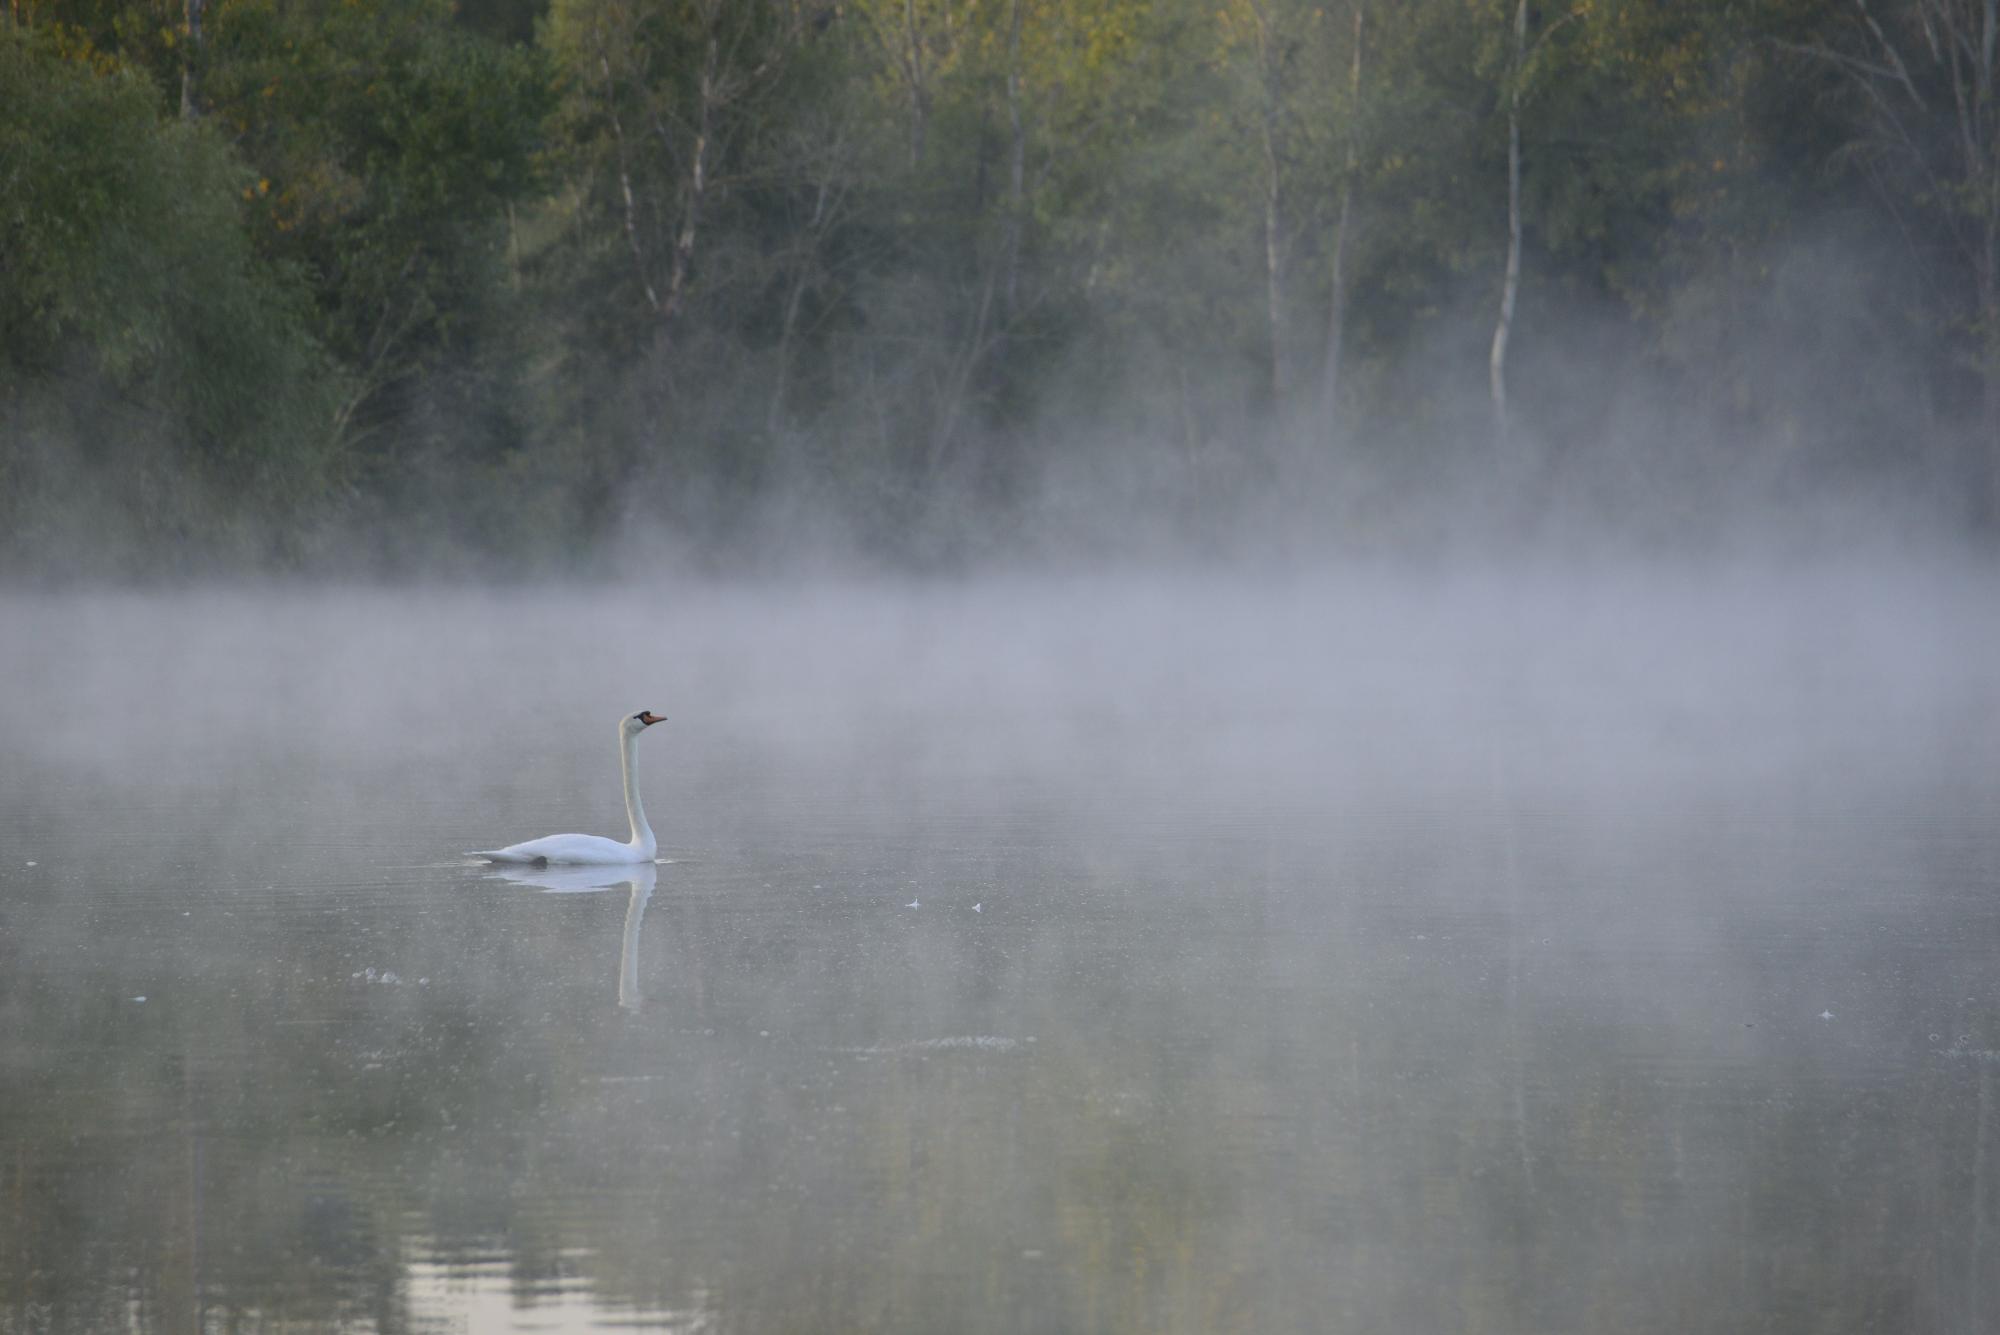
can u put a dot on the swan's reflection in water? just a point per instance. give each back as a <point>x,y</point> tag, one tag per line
<point>638,880</point>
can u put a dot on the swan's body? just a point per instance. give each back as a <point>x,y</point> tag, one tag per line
<point>591,849</point>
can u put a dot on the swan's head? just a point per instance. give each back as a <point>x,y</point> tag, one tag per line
<point>641,721</point>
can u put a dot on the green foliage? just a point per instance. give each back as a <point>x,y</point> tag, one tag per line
<point>152,362</point>
<point>698,263</point>
<point>389,145</point>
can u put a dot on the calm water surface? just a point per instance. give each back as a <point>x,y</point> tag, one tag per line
<point>1340,956</point>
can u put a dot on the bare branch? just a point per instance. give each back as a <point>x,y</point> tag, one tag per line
<point>1852,65</point>
<point>1895,58</point>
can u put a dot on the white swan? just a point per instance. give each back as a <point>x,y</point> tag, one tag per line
<point>591,849</point>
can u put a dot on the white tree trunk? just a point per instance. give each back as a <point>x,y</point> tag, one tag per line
<point>1336,314</point>
<point>914,73</point>
<point>190,57</point>
<point>1510,284</point>
<point>1268,60</point>
<point>1017,162</point>
<point>711,95</point>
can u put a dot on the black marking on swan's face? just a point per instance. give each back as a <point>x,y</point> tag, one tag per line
<point>646,718</point>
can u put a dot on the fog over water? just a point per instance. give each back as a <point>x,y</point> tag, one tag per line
<point>1363,950</point>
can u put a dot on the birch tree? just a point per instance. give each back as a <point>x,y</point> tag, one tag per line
<point>1922,75</point>
<point>1331,364</point>
<point>658,94</point>
<point>191,47</point>
<point>1264,32</point>
<point>1510,281</point>
<point>1049,77</point>
<point>921,44</point>
<point>1530,35</point>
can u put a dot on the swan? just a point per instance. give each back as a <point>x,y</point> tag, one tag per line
<point>590,849</point>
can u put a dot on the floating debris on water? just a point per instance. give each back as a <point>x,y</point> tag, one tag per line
<point>972,1042</point>
<point>1989,1056</point>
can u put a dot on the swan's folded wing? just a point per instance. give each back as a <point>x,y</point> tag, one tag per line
<point>501,855</point>
<point>569,850</point>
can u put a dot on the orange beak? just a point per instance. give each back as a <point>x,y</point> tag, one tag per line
<point>649,718</point>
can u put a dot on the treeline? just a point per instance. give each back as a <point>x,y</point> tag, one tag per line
<point>389,282</point>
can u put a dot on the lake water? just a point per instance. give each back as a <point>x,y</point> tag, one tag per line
<point>1383,954</point>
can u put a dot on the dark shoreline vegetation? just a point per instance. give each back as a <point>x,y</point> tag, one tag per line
<point>533,286</point>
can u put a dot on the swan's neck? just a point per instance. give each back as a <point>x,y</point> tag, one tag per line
<point>635,812</point>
